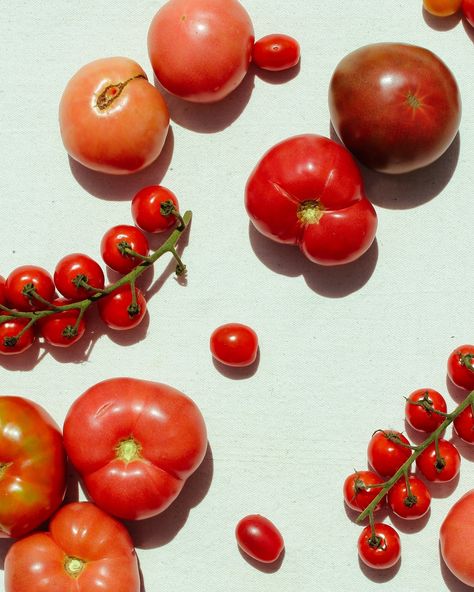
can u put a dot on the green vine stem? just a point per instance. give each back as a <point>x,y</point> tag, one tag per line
<point>130,278</point>
<point>417,450</point>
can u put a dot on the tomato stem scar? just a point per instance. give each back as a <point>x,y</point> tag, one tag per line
<point>113,91</point>
<point>74,566</point>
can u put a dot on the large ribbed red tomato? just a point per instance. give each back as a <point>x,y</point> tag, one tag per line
<point>307,191</point>
<point>135,443</point>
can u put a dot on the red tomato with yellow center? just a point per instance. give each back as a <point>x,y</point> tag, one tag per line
<point>138,443</point>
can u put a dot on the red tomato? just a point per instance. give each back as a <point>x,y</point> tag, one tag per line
<point>26,275</point>
<point>200,50</point>
<point>383,550</point>
<point>356,493</point>
<point>73,269</point>
<point>119,312</point>
<point>461,367</point>
<point>468,11</point>
<point>307,191</point>
<point>234,345</point>
<point>442,7</point>
<point>32,466</point>
<point>58,329</point>
<point>146,208</point>
<point>456,537</point>
<point>385,453</point>
<point>409,505</point>
<point>118,238</point>
<point>441,469</point>
<point>10,343</point>
<point>422,417</point>
<point>276,52</point>
<point>395,106</point>
<point>84,551</point>
<point>259,538</point>
<point>139,442</point>
<point>112,119</point>
<point>3,294</point>
<point>464,425</point>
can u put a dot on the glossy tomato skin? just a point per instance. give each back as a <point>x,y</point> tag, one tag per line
<point>456,538</point>
<point>464,425</point>
<point>73,266</point>
<point>443,471</point>
<point>109,247</point>
<point>32,466</point>
<point>461,367</point>
<point>404,505</point>
<point>260,538</point>
<point>29,274</point>
<point>468,11</point>
<point>139,443</point>
<point>55,328</point>
<point>381,556</point>
<point>116,312</point>
<point>201,50</point>
<point>307,191</point>
<point>85,550</point>
<point>396,107</point>
<point>419,417</point>
<point>11,329</point>
<point>146,208</point>
<point>276,52</point>
<point>442,7</point>
<point>234,344</point>
<point>112,119</point>
<point>385,454</point>
<point>356,495</point>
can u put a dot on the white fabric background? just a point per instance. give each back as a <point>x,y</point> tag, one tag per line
<point>339,347</point>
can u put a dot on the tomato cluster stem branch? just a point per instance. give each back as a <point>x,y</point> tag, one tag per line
<point>433,437</point>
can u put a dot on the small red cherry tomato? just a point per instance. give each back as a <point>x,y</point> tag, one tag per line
<point>461,367</point>
<point>147,208</point>
<point>3,294</point>
<point>381,549</point>
<point>440,468</point>
<point>421,407</point>
<point>119,312</point>
<point>59,329</point>
<point>409,504</point>
<point>259,538</point>
<point>115,244</point>
<point>442,7</point>
<point>386,452</point>
<point>10,343</point>
<point>234,345</point>
<point>29,276</point>
<point>357,494</point>
<point>276,52</point>
<point>75,270</point>
<point>468,11</point>
<point>464,425</point>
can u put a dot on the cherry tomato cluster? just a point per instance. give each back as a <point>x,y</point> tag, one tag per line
<point>391,456</point>
<point>28,296</point>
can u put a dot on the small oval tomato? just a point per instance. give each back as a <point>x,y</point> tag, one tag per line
<point>461,367</point>
<point>276,52</point>
<point>381,549</point>
<point>468,11</point>
<point>359,492</point>
<point>464,425</point>
<point>421,407</point>
<point>59,329</point>
<point>260,538</point>
<point>15,338</point>
<point>307,191</point>
<point>234,344</point>
<point>85,550</point>
<point>147,207</point>
<point>456,539</point>
<point>32,466</point>
<point>439,468</point>
<point>387,451</point>
<point>115,243</point>
<point>29,276</point>
<point>442,7</point>
<point>112,119</point>
<point>139,442</point>
<point>200,50</point>
<point>76,271</point>
<point>119,312</point>
<point>411,504</point>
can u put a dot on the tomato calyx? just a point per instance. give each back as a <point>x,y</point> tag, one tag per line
<point>74,566</point>
<point>467,360</point>
<point>427,405</point>
<point>167,208</point>
<point>113,91</point>
<point>393,437</point>
<point>128,450</point>
<point>310,211</point>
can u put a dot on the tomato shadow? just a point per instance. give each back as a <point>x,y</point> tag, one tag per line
<point>451,581</point>
<point>72,485</point>
<point>5,545</point>
<point>237,373</point>
<point>440,490</point>
<point>267,568</point>
<point>207,118</point>
<point>121,187</point>
<point>379,576</point>
<point>413,435</point>
<point>469,29</point>
<point>380,515</point>
<point>331,282</point>
<point>409,190</point>
<point>465,449</point>
<point>456,393</point>
<point>140,574</point>
<point>25,361</point>
<point>277,77</point>
<point>160,530</point>
<point>441,23</point>
<point>410,526</point>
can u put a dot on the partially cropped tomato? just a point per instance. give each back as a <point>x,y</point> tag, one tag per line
<point>424,410</point>
<point>77,275</point>
<point>409,504</point>
<point>260,538</point>
<point>147,208</point>
<point>442,7</point>
<point>3,296</point>
<point>200,50</point>
<point>276,52</point>
<point>380,549</point>
<point>461,367</point>
<point>112,119</point>
<point>387,451</point>
<point>456,538</point>
<point>442,465</point>
<point>138,443</point>
<point>16,336</point>
<point>85,550</point>
<point>62,329</point>
<point>234,344</point>
<point>308,191</point>
<point>32,466</point>
<point>116,245</point>
<point>395,106</point>
<point>119,311</point>
<point>360,489</point>
<point>29,276</point>
<point>468,11</point>
<point>464,425</point>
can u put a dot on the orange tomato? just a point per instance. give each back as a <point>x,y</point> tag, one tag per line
<point>442,7</point>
